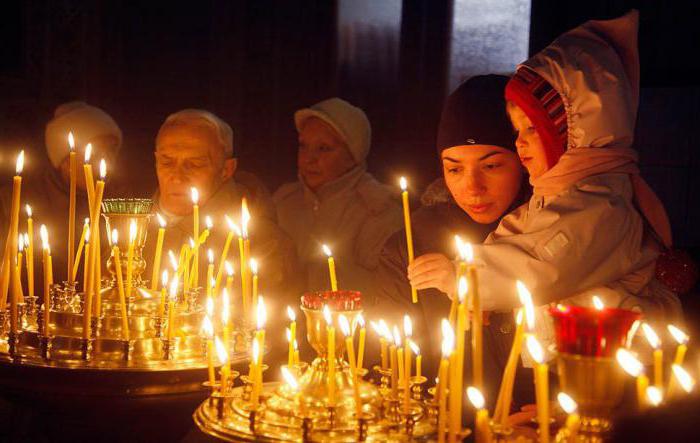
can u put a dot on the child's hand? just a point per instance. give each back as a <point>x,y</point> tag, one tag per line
<point>433,271</point>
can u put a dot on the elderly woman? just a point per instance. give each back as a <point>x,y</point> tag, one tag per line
<point>482,181</point>
<point>194,149</point>
<point>335,201</point>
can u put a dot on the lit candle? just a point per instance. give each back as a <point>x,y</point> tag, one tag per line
<point>541,386</point>
<point>210,272</point>
<point>654,396</point>
<point>78,255</point>
<point>292,334</point>
<point>245,242</point>
<point>382,342</point>
<point>256,371</point>
<point>407,226</point>
<point>419,359</point>
<point>254,271</point>
<point>399,359</point>
<point>225,322</point>
<point>682,340</point>
<point>505,393</point>
<point>130,258</point>
<point>163,293</point>
<point>331,355</point>
<point>683,378</point>
<point>208,330</point>
<point>208,226</point>
<point>171,308</point>
<point>296,352</point>
<point>224,361</point>
<point>30,251</point>
<point>573,420</point>
<point>349,345</point>
<point>407,332</point>
<point>482,430</point>
<point>261,319</point>
<point>96,248</point>
<point>86,261</point>
<point>634,367</point>
<point>120,284</point>
<point>447,349</point>
<point>48,276</point>
<point>457,365</point>
<point>232,228</point>
<point>655,343</point>
<point>331,267</point>
<point>87,171</point>
<point>477,319</point>
<point>362,338</point>
<point>229,277</point>
<point>159,251</point>
<point>195,236</point>
<point>20,258</point>
<point>393,364</point>
<point>11,246</point>
<point>73,169</point>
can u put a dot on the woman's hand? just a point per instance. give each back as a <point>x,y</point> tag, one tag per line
<point>433,271</point>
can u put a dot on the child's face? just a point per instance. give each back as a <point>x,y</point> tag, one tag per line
<point>530,147</point>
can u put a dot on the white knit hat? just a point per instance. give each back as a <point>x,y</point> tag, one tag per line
<point>349,121</point>
<point>85,121</point>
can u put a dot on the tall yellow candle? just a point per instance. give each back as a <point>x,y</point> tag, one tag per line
<point>163,293</point>
<point>11,245</point>
<point>224,252</point>
<point>292,334</point>
<point>225,323</point>
<point>407,332</point>
<point>255,372</point>
<point>89,182</point>
<point>349,345</point>
<point>79,254</point>
<point>407,227</point>
<point>73,170</point>
<point>195,236</point>
<point>86,262</point>
<point>541,386</point>
<point>634,367</point>
<point>171,308</point>
<point>120,284</point>
<point>477,319</point>
<point>20,265</point>
<point>225,365</point>
<point>457,366</point>
<point>244,245</point>
<point>210,273</point>
<point>330,329</point>
<point>573,420</point>
<point>130,258</point>
<point>655,343</point>
<point>96,252</point>
<point>482,430</point>
<point>394,370</point>
<point>254,271</point>
<point>48,276</point>
<point>331,267</point>
<point>419,359</point>
<point>229,277</point>
<point>208,330</point>
<point>261,318</point>
<point>159,252</point>
<point>362,338</point>
<point>443,377</point>
<point>30,251</point>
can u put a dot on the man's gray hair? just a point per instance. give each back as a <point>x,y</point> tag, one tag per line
<point>223,131</point>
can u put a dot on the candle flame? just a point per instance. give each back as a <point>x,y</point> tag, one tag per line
<point>327,250</point>
<point>29,210</point>
<point>567,403</point>
<point>44,235</point>
<point>526,300</point>
<point>26,240</point>
<point>19,165</point>
<point>654,395</point>
<point>173,259</point>
<point>229,268</point>
<point>651,336</point>
<point>87,235</point>
<point>191,243</point>
<point>173,288</point>
<point>88,152</point>
<point>376,328</point>
<point>256,351</point>
<point>164,278</point>
<point>462,288</point>
<point>629,362</point>
<point>103,169</point>
<point>407,326</point>
<point>231,225</point>
<point>535,349</point>
<point>207,327</point>
<point>684,379</point>
<point>195,195</point>
<point>414,347</point>
<point>519,316</point>
<point>397,336</point>
<point>327,315</point>
<point>210,256</point>
<point>220,350</point>
<point>262,313</point>
<point>132,231</point>
<point>476,397</point>
<point>360,320</point>
<point>468,254</point>
<point>291,314</point>
<point>245,217</point>
<point>71,141</point>
<point>296,345</point>
<point>208,223</point>
<point>20,242</point>
<point>253,263</point>
<point>289,378</point>
<point>209,307</point>
<point>678,335</point>
<point>598,303</point>
<point>344,325</point>
<point>225,307</point>
<point>632,333</point>
<point>403,183</point>
<point>448,338</point>
<point>384,328</point>
<point>161,220</point>
<point>288,333</point>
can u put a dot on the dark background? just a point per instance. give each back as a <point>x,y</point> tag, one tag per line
<point>255,62</point>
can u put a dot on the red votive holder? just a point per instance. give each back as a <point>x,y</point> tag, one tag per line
<point>589,331</point>
<point>336,300</point>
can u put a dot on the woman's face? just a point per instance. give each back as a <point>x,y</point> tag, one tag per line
<point>529,144</point>
<point>323,156</point>
<point>484,180</point>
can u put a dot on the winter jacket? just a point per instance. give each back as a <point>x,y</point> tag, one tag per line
<point>354,215</point>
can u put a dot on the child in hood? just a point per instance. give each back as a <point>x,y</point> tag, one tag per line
<point>592,226</point>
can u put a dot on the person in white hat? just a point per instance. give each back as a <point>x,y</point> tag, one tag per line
<point>336,201</point>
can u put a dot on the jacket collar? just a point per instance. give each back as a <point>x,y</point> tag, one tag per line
<point>340,186</point>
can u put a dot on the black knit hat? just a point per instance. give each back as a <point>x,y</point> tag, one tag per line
<point>475,114</point>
